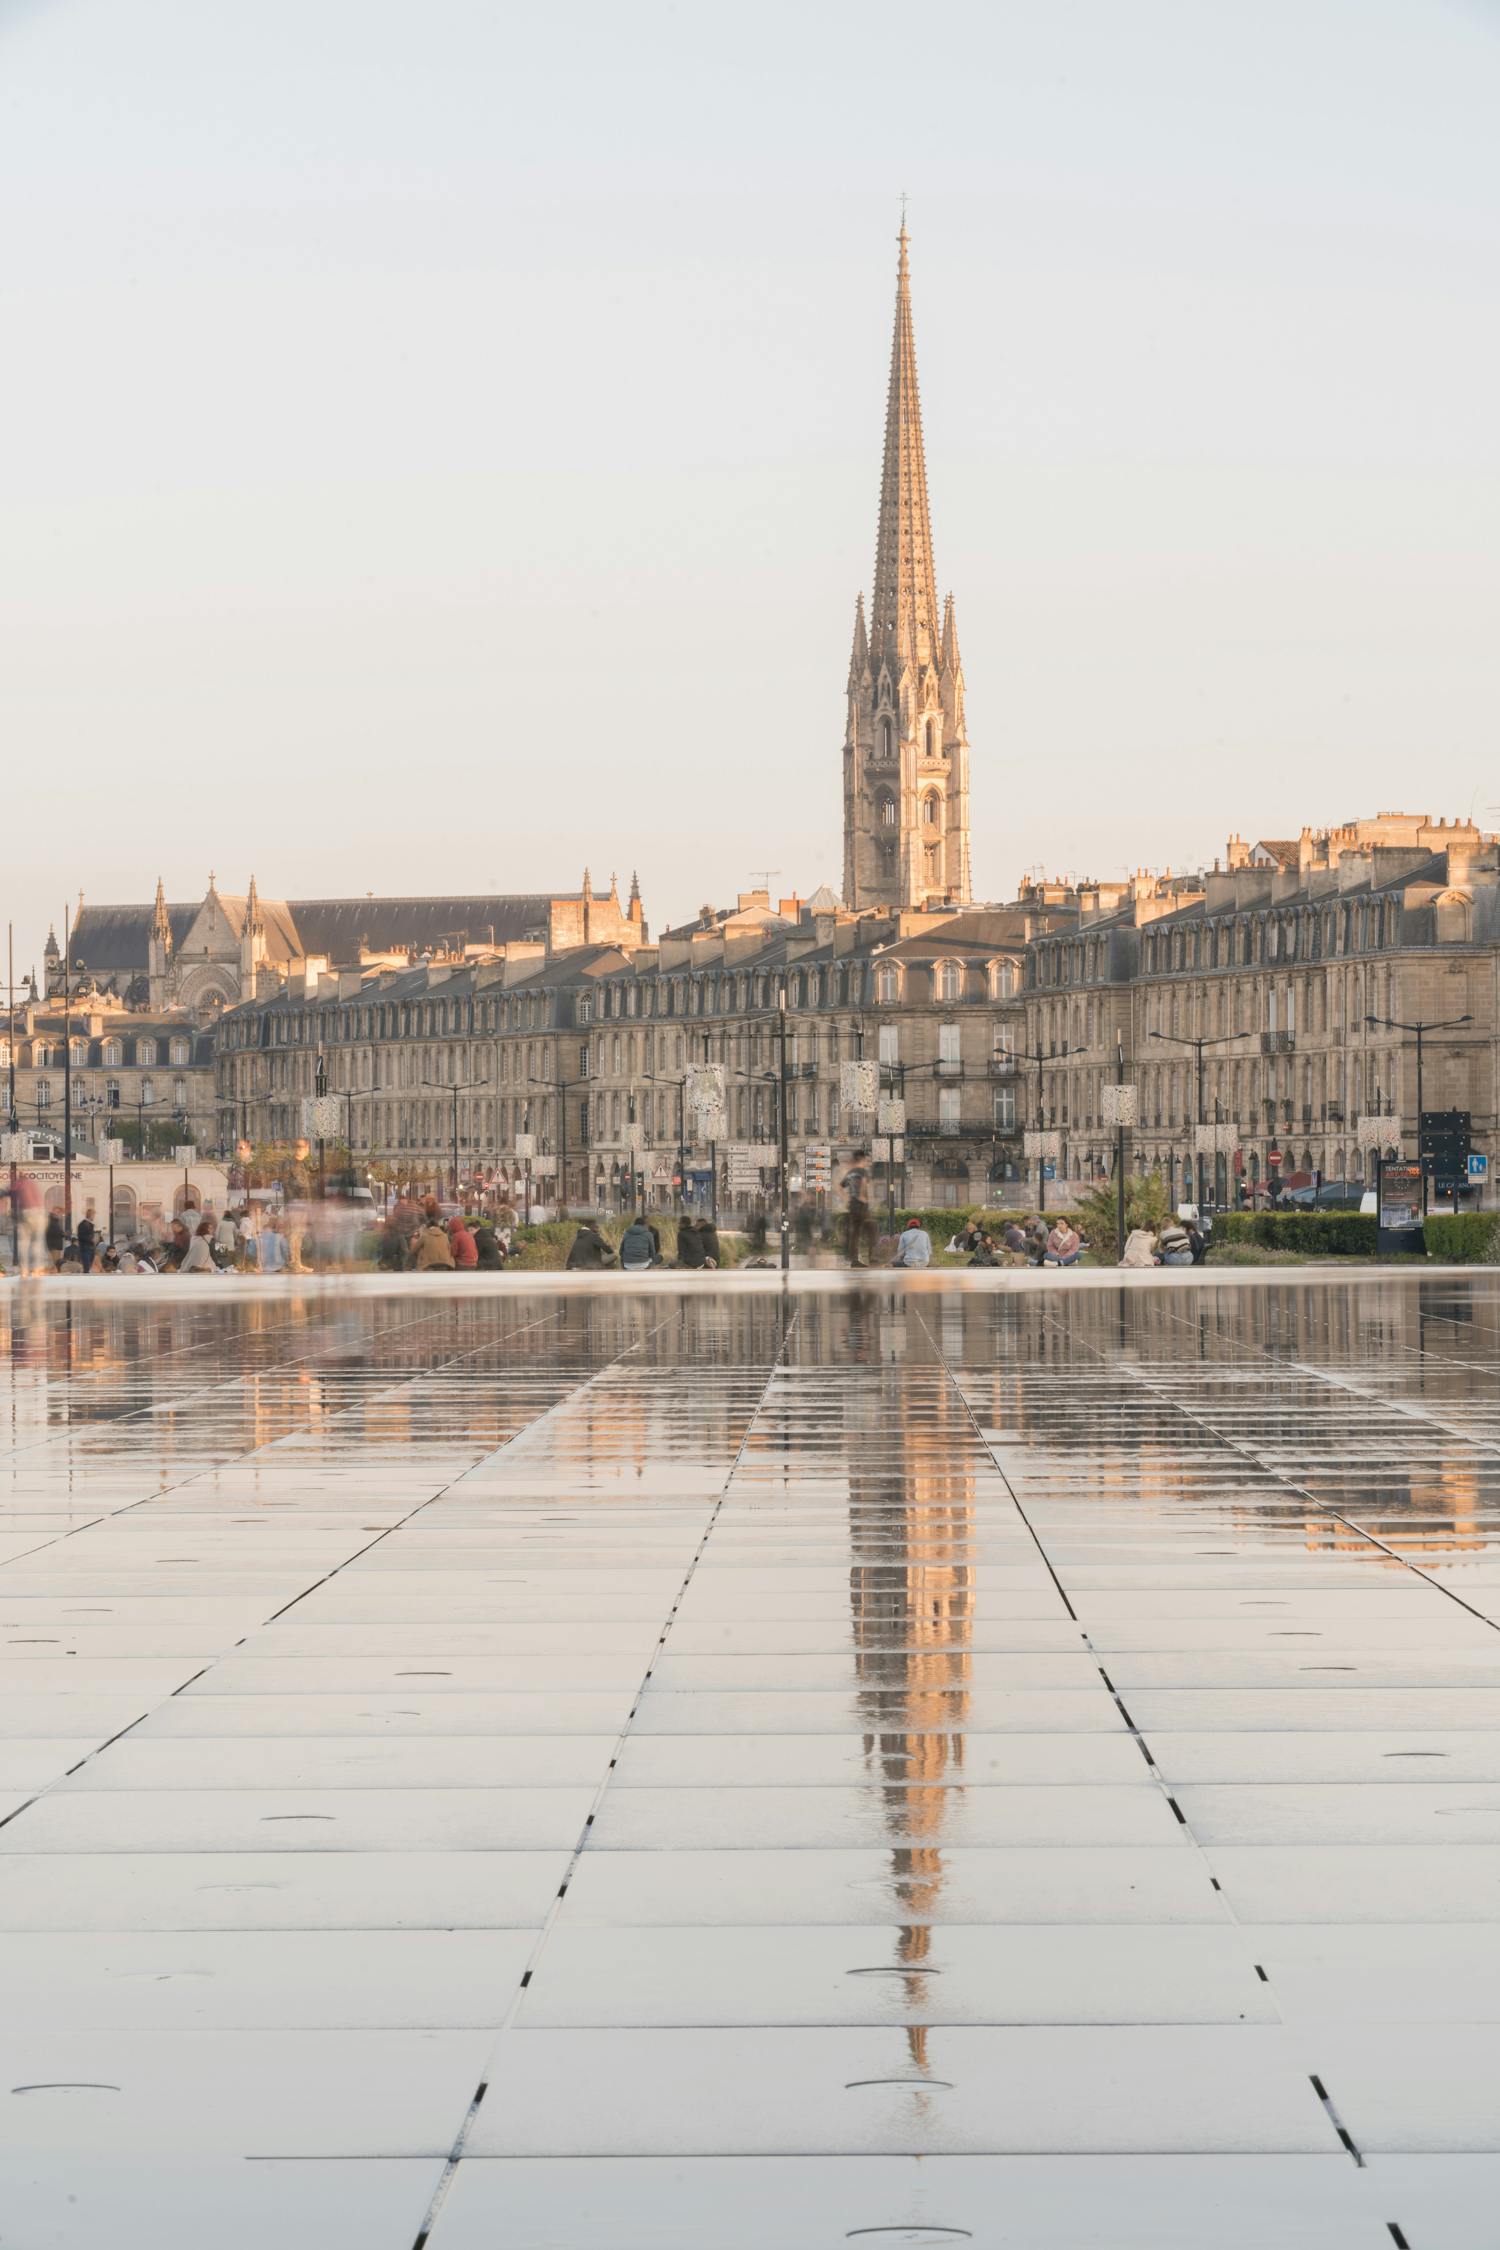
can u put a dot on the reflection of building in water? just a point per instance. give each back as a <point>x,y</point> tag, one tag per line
<point>911,1601</point>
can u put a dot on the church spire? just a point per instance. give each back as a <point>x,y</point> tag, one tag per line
<point>161,921</point>
<point>903,612</point>
<point>906,747</point>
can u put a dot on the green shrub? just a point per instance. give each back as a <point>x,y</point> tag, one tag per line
<point>1463,1238</point>
<point>1311,1234</point>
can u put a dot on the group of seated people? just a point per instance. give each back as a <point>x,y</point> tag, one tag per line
<point>1029,1242</point>
<point>641,1247</point>
<point>1179,1243</point>
<point>417,1239</point>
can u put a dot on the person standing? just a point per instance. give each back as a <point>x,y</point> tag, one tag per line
<point>87,1238</point>
<point>856,1186</point>
<point>31,1226</point>
<point>56,1239</point>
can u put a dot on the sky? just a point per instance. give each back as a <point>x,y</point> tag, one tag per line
<point>442,443</point>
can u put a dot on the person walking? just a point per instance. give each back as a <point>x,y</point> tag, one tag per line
<point>913,1246</point>
<point>31,1227</point>
<point>856,1187</point>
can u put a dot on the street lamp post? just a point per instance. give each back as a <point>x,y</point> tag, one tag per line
<point>655,1079</point>
<point>13,1122</point>
<point>433,1086</point>
<point>783,1151</point>
<point>1392,1023</point>
<point>1178,1039</point>
<point>67,1076</point>
<point>1041,1058</point>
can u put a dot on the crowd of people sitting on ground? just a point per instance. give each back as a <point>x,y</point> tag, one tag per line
<point>416,1236</point>
<point>641,1247</point>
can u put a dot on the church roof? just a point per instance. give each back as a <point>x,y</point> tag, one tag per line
<point>338,927</point>
<point>112,940</point>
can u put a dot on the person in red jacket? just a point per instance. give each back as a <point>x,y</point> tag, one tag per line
<point>464,1251</point>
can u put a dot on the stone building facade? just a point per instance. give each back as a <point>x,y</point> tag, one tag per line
<point>1276,960</point>
<point>585,1050</point>
<point>144,1076</point>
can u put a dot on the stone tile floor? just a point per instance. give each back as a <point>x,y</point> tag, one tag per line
<point>707,1766</point>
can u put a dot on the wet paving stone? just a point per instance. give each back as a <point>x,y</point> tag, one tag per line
<point>961,1759</point>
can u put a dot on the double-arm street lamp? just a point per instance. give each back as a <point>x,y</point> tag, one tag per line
<point>1039,1058</point>
<point>441,1086</point>
<point>1219,1039</point>
<point>1393,1023</point>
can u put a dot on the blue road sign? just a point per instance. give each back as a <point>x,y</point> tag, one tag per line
<point>1478,1165</point>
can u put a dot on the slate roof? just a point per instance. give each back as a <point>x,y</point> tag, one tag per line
<point>112,939</point>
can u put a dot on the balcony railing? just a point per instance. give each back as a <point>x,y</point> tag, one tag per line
<point>1278,1042</point>
<point>1002,1066</point>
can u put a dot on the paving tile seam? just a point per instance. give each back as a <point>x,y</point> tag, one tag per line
<point>120,1733</point>
<point>1332,1381</point>
<point>555,1906</point>
<point>1142,1744</point>
<point>1133,1371</point>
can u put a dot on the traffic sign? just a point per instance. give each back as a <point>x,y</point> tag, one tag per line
<point>1479,1166</point>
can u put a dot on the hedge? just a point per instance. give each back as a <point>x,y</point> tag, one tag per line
<point>1465,1238</point>
<point>1315,1234</point>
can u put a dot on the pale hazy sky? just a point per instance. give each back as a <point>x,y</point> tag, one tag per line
<point>441,442</point>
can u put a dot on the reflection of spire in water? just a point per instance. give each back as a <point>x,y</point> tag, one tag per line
<point>911,1598</point>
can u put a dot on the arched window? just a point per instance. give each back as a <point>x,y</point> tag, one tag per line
<point>78,1050</point>
<point>931,809</point>
<point>933,739</point>
<point>887,982</point>
<point>114,1054</point>
<point>179,1051</point>
<point>885,736</point>
<point>950,980</point>
<point>885,809</point>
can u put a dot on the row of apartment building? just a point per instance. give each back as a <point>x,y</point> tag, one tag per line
<point>1244,994</point>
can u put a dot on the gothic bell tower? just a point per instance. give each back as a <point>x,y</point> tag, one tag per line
<point>906,751</point>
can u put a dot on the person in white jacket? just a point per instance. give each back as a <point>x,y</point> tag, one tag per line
<point>913,1246</point>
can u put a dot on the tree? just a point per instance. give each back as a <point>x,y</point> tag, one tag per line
<point>1145,1206</point>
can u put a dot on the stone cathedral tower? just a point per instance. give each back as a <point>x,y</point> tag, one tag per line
<point>906,752</point>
